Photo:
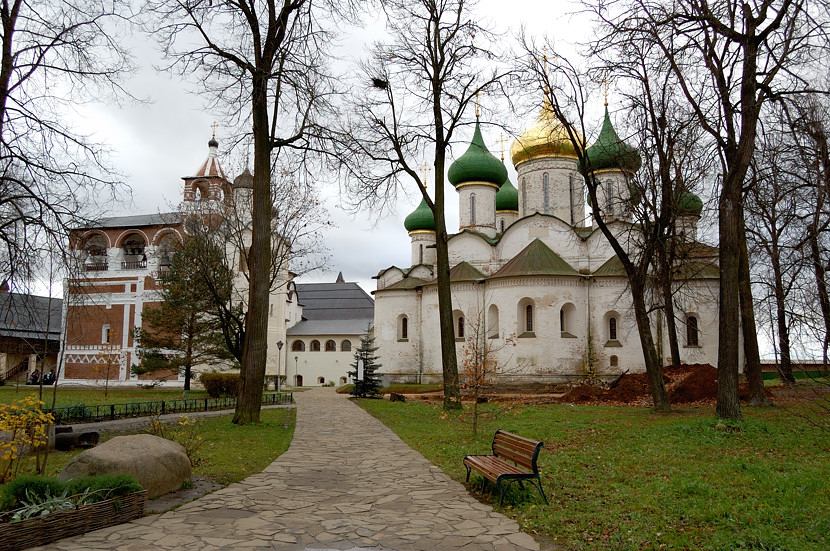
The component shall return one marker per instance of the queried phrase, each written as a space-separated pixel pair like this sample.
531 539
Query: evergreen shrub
97 488
220 384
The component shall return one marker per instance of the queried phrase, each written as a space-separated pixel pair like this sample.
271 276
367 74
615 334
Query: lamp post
296 358
279 359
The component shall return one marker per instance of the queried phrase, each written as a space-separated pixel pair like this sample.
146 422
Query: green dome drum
689 204
477 164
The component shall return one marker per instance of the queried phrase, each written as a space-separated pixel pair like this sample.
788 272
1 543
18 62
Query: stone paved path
346 483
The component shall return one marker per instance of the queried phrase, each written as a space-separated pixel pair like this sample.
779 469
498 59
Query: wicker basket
63 524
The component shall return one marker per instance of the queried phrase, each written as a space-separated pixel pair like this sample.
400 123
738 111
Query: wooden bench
513 460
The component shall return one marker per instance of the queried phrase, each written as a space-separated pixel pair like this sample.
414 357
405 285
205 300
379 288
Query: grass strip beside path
626 478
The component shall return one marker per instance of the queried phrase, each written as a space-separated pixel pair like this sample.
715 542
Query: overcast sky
154 145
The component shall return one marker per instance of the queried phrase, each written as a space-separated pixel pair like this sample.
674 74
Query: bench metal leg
468 473
538 484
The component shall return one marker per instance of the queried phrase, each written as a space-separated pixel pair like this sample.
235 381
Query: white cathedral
533 280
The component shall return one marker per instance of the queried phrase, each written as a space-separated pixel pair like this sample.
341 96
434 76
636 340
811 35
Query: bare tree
416 92
263 62
729 59
53 56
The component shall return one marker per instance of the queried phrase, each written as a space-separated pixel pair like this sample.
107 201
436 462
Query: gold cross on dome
502 142
425 171
214 126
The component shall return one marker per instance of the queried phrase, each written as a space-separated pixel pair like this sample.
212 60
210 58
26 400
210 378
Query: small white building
534 282
322 345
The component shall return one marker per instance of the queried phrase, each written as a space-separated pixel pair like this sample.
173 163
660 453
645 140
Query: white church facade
534 282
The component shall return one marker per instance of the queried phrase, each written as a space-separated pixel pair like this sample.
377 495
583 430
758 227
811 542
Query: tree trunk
729 210
653 369
668 308
752 370
452 394
821 286
252 374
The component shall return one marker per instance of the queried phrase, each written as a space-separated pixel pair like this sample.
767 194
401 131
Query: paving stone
347 482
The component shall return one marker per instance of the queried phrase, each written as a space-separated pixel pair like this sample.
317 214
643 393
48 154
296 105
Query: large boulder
160 465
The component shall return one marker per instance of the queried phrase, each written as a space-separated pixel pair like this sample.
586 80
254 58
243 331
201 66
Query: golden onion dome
547 137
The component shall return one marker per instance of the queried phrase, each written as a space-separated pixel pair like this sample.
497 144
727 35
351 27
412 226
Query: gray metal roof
330 327
133 221
335 301
27 316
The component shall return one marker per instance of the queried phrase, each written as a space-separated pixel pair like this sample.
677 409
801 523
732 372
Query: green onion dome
421 219
689 204
610 152
507 198
477 164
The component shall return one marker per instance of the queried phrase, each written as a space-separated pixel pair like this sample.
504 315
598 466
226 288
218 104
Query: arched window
298 346
546 192
571 191
315 346
346 346
526 318
331 346
321 380
421 253
614 362
493 322
524 197
472 208
692 333
567 323
612 329
403 328
609 196
342 380
458 324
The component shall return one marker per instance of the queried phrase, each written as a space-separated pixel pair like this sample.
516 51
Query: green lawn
626 478
229 453
68 396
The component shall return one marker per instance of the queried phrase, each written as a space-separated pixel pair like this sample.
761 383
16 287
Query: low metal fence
108 412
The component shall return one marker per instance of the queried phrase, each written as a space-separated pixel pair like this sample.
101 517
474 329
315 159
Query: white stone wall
423 247
313 366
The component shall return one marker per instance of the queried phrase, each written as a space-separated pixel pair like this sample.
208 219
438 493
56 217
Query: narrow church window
612 329
524 197
404 332
421 253
298 346
315 346
105 334
562 326
502 225
609 196
460 327
692 332
546 192
331 346
473 209
529 318
571 190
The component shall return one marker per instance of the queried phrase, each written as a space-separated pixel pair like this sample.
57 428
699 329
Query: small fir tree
369 385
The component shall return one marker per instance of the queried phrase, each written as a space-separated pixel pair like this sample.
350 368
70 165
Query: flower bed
63 524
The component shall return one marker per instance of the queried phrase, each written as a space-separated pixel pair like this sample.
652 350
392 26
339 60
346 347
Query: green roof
612 267
421 219
406 284
477 164
610 152
507 197
465 272
536 259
